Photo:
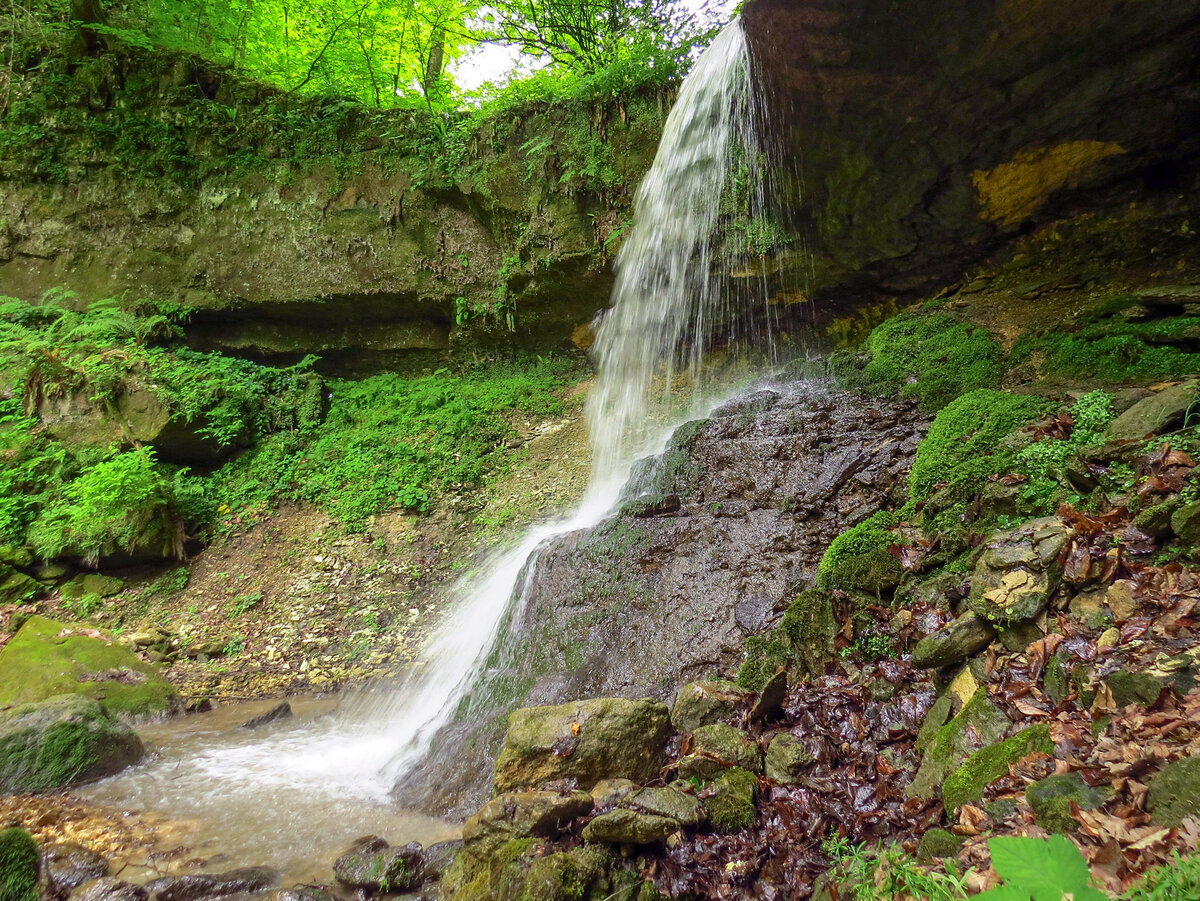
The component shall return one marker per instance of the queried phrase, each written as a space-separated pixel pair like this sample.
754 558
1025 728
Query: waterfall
667 304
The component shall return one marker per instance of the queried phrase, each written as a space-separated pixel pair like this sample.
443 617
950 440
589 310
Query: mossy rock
374 865
18 866
731 806
667 801
1018 572
60 742
715 749
765 654
564 876
1174 793
787 759
980 723
1051 800
858 559
1185 522
1155 414
981 769
810 628
937 716
47 658
954 643
703 703
629 827
939 844
1135 688
520 815
17 588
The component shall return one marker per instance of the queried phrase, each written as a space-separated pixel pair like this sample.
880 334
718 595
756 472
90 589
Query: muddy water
213 814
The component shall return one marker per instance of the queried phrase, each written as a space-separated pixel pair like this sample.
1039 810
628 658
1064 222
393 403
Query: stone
372 864
715 749
1121 598
668 801
275 714
962 687
629 827
19 557
1056 680
1051 799
1135 688
1174 793
66 867
586 741
110 888
47 658
769 706
953 643
731 805
216 885
1156 520
518 815
17 588
302 893
980 723
564 875
704 703
18 866
1018 571
1019 636
787 759
981 769
49 573
1185 523
939 844
1109 638
611 792
60 742
436 859
101 586
937 716
1156 414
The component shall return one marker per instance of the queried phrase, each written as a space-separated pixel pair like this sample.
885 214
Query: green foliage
1042 870
859 558
888 874
18 865
1045 461
933 358
1176 880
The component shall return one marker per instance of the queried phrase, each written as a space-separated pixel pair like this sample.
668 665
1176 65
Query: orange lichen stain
583 336
1013 191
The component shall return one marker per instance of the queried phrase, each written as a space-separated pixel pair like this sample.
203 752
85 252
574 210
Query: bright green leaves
1044 870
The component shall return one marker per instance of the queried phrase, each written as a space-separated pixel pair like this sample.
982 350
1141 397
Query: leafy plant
1176 880
1044 870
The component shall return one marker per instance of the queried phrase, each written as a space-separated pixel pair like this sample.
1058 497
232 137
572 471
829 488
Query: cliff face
925 133
299 226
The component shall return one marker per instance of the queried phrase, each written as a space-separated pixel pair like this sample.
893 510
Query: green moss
810 627
931 357
18 866
565 876
731 806
859 558
1052 797
937 844
981 769
764 655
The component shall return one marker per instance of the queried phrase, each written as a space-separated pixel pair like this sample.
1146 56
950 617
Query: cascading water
667 304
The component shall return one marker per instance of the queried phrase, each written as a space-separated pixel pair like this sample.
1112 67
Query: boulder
216 885
278 712
980 723
16 587
1185 522
667 801
629 827
63 741
302 893
518 815
1174 793
436 859
109 888
47 658
1156 414
611 792
66 867
939 844
586 741
715 749
731 805
18 866
704 703
374 865
787 759
1051 799
1130 687
981 769
1018 571
565 875
953 643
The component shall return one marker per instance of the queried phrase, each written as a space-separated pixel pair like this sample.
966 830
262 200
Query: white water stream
276 795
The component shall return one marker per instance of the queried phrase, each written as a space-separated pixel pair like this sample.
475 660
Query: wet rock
954 643
1129 687
1051 799
787 759
111 889
1018 571
47 658
670 802
611 792
16 587
1019 636
769 705
981 769
202 886
436 859
275 714
372 864
1156 520
521 814
753 614
629 827
731 805
67 866
1156 414
703 703
586 741
939 844
1185 522
652 505
1175 792
302 893
980 723
18 865
715 749
1056 681
937 716
63 741
566 875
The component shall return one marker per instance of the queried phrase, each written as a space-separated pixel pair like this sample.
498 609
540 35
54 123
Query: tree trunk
86 41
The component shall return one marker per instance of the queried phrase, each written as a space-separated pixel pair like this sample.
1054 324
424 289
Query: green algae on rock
715 749
1051 799
731 805
981 769
1175 792
47 658
980 723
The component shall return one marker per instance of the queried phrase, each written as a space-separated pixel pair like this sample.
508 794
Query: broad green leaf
1003 893
1045 869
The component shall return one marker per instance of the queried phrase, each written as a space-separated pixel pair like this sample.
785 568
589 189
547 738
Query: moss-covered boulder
953 643
731 804
980 723
1185 523
586 741
668 801
629 827
703 703
1156 414
564 875
66 740
16 587
810 627
938 844
1175 792
981 769
715 749
374 865
858 559
1018 571
47 658
518 815
18 866
1051 799
194 886
937 716
787 759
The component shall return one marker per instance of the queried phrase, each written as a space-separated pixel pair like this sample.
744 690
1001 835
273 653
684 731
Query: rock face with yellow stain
1019 571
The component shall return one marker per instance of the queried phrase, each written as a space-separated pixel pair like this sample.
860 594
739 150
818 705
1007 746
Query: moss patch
731 806
859 558
18 866
984 767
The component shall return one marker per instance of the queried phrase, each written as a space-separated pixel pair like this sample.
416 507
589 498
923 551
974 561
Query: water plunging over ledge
668 304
